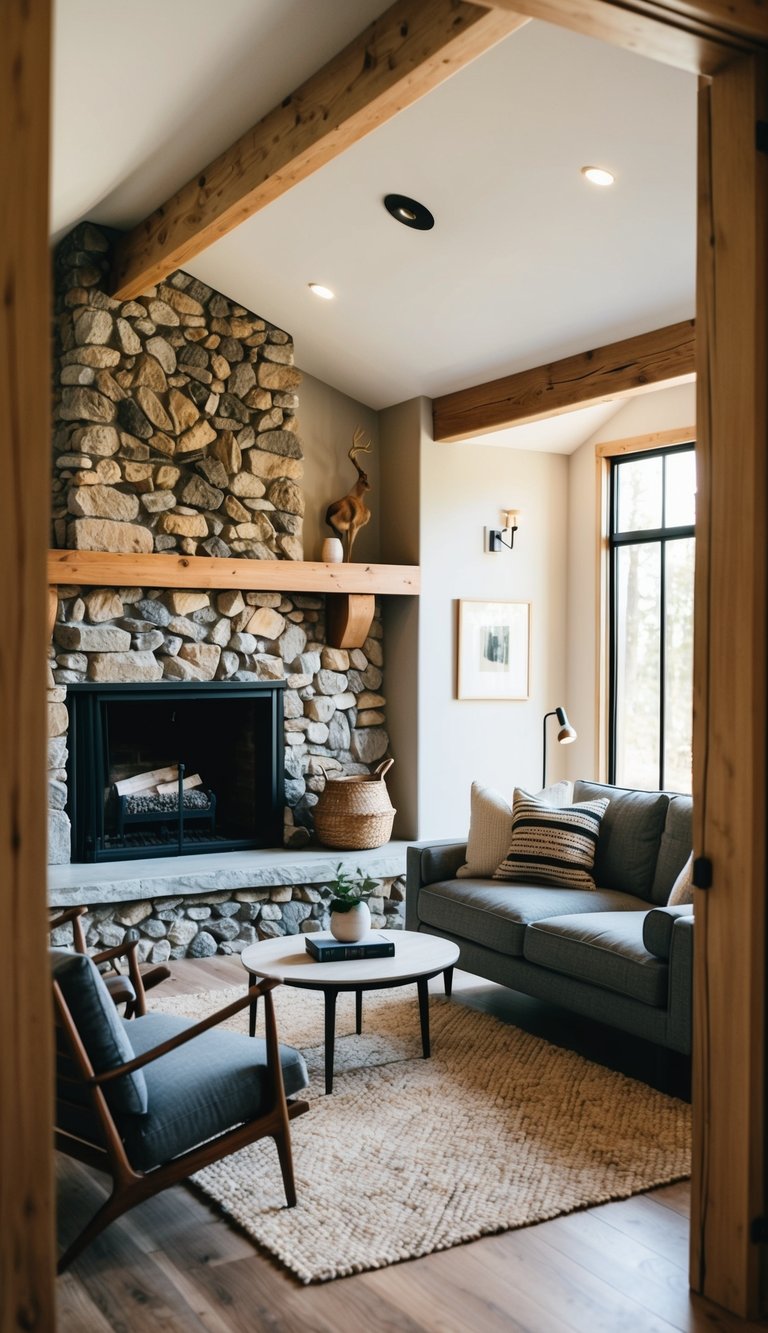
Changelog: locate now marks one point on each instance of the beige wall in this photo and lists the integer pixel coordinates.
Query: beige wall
(464, 487)
(663, 410)
(401, 431)
(327, 420)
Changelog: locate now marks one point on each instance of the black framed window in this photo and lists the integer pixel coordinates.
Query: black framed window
(652, 545)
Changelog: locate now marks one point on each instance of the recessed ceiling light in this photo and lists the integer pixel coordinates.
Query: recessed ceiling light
(409, 211)
(598, 175)
(324, 293)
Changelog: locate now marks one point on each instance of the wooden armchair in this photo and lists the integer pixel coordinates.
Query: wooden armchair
(153, 1100)
(129, 990)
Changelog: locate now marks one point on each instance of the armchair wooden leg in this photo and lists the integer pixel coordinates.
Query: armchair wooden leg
(285, 1154)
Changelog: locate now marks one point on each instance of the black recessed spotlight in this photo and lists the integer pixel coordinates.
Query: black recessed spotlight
(409, 211)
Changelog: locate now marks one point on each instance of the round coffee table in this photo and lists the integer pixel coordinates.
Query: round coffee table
(417, 958)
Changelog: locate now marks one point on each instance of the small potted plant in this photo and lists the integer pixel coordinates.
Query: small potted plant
(350, 915)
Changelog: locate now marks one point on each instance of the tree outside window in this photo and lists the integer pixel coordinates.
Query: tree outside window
(652, 547)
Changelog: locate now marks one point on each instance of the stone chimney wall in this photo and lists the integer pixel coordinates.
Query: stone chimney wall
(175, 431)
(174, 418)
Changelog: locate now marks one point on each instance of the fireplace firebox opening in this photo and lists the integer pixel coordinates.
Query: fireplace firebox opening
(169, 769)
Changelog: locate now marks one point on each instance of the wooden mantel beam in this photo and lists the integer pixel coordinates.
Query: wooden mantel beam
(616, 371)
(406, 52)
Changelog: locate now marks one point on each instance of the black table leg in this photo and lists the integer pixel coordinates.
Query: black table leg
(330, 1035)
(448, 981)
(252, 1007)
(358, 1012)
(423, 988)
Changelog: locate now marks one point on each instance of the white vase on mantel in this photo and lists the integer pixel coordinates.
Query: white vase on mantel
(332, 551)
(349, 927)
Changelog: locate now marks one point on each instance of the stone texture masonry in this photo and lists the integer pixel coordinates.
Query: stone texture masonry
(224, 922)
(174, 418)
(333, 707)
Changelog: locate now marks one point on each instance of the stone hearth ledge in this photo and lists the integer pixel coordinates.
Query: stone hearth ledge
(166, 877)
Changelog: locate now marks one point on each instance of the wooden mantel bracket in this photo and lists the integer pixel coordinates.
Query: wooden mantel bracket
(348, 618)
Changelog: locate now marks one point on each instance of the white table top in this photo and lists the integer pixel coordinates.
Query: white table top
(286, 959)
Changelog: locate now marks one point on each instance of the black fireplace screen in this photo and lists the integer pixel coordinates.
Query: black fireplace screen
(168, 769)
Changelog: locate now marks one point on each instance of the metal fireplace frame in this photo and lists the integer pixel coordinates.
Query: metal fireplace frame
(87, 704)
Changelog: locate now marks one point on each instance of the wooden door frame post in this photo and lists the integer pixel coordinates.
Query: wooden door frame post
(730, 686)
(26, 1100)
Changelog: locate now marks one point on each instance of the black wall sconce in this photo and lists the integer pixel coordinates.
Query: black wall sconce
(496, 536)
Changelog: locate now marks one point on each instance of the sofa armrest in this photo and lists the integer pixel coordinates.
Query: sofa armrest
(679, 1024)
(658, 929)
(427, 863)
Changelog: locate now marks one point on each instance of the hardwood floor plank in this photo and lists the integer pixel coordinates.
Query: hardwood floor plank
(651, 1224)
(566, 1290)
(441, 1293)
(75, 1309)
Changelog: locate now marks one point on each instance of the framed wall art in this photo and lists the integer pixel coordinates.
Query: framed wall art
(494, 650)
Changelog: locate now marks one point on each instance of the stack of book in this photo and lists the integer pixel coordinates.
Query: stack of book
(336, 951)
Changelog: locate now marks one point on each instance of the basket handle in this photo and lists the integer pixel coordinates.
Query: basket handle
(383, 768)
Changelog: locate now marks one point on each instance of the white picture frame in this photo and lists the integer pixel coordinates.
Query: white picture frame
(494, 649)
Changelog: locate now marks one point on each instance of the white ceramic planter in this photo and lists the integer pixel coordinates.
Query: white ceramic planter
(351, 926)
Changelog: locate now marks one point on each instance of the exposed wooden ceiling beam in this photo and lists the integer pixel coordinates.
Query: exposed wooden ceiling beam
(701, 36)
(410, 49)
(616, 371)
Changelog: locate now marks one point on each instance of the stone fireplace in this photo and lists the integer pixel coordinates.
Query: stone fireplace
(175, 432)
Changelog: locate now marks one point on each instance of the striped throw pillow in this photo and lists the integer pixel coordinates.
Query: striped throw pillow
(553, 845)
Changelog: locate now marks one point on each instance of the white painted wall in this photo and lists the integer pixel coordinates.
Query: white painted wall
(327, 420)
(665, 409)
(463, 488)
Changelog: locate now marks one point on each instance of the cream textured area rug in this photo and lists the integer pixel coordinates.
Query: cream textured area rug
(498, 1129)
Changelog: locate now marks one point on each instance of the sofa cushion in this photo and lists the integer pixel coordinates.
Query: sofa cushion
(658, 926)
(682, 889)
(604, 949)
(214, 1082)
(553, 845)
(496, 915)
(675, 847)
(101, 1030)
(490, 826)
(629, 838)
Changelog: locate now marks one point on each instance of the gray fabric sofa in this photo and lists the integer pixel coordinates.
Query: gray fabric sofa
(617, 954)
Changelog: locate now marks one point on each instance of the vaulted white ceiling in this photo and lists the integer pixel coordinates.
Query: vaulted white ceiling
(526, 263)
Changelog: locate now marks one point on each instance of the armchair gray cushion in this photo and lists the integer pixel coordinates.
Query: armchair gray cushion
(212, 1083)
(100, 1027)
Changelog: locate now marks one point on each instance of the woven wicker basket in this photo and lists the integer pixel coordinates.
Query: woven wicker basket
(355, 813)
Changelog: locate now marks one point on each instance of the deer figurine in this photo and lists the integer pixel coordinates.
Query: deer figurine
(350, 513)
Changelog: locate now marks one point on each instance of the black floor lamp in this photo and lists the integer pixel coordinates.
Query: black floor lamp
(565, 735)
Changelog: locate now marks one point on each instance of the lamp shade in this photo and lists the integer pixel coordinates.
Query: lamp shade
(566, 735)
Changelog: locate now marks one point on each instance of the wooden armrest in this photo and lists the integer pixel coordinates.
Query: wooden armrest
(213, 1020)
(72, 914)
(127, 950)
(155, 975)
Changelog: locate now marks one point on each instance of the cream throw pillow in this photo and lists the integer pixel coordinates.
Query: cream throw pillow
(682, 889)
(490, 826)
(553, 846)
